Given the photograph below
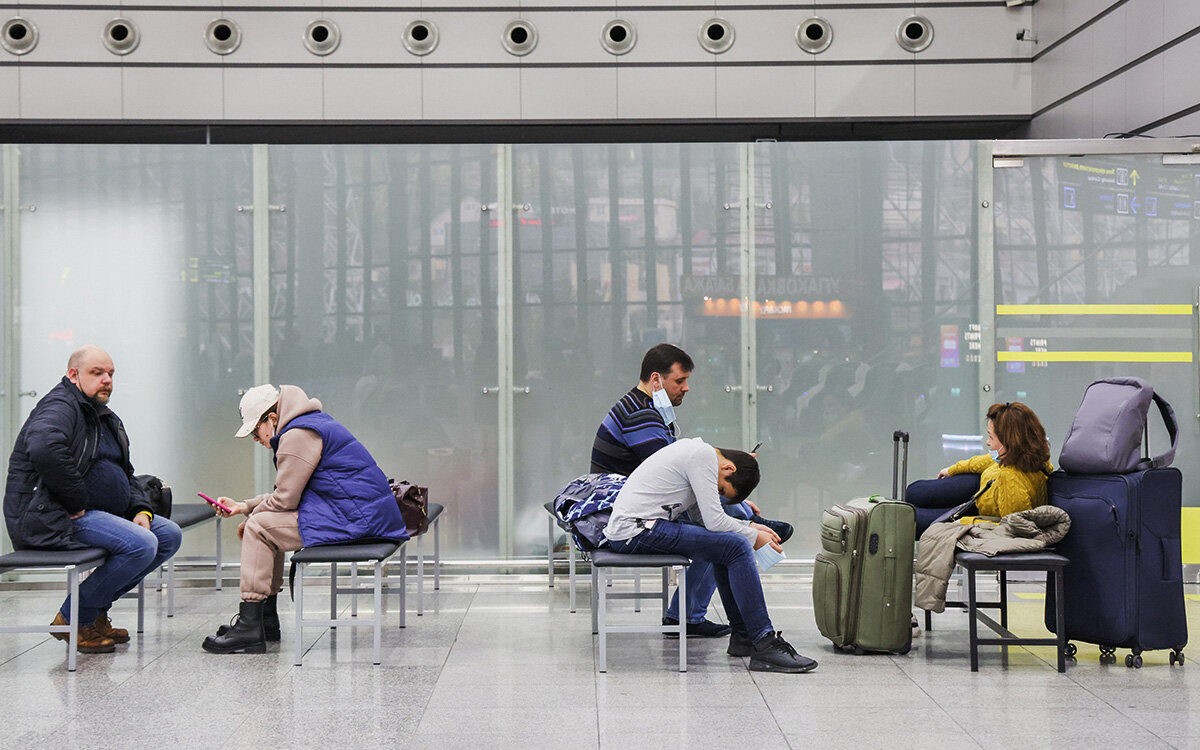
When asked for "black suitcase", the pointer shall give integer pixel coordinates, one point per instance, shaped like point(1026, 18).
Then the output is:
point(1124, 585)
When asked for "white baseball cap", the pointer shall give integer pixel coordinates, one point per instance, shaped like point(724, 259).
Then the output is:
point(255, 403)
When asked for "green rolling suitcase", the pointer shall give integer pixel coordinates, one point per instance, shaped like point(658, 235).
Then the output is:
point(862, 579)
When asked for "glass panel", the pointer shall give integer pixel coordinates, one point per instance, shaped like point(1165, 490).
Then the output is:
point(611, 236)
point(866, 291)
point(141, 250)
point(1113, 230)
point(383, 305)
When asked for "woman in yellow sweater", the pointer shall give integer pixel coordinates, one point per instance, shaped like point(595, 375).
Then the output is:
point(1012, 475)
point(1009, 478)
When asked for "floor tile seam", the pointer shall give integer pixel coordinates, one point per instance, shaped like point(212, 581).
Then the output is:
point(442, 666)
point(19, 654)
point(941, 708)
point(1156, 735)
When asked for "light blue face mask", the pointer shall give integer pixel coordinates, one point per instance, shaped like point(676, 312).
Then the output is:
point(662, 404)
point(995, 455)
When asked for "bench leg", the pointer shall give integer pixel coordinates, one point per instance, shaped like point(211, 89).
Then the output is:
point(682, 617)
point(550, 551)
point(73, 614)
point(171, 587)
point(437, 557)
point(974, 624)
point(1004, 599)
point(601, 610)
point(297, 635)
point(420, 575)
point(666, 591)
point(141, 597)
point(1060, 619)
point(220, 574)
point(378, 609)
point(595, 599)
point(354, 590)
point(571, 571)
point(403, 582)
point(637, 589)
point(333, 576)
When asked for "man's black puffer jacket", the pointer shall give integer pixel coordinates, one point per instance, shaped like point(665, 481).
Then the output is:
point(52, 455)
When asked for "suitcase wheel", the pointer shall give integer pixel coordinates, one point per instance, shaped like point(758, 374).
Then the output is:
point(1176, 656)
point(1108, 655)
point(1072, 649)
point(907, 646)
point(1133, 661)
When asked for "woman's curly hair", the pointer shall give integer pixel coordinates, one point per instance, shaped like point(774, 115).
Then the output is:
point(1022, 435)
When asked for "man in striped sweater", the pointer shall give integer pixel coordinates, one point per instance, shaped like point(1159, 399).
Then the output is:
point(638, 425)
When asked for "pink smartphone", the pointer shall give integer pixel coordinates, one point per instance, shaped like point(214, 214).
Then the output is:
point(214, 503)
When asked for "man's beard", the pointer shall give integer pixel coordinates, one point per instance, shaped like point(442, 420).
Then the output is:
point(100, 398)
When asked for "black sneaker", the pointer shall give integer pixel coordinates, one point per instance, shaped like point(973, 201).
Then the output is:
point(773, 654)
point(782, 528)
point(740, 645)
point(702, 629)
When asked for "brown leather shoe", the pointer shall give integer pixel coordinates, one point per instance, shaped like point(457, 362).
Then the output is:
point(90, 641)
point(104, 627)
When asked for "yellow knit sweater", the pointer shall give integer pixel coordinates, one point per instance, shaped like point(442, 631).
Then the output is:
point(1012, 490)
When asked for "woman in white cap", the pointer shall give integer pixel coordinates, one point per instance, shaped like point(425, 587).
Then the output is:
point(328, 490)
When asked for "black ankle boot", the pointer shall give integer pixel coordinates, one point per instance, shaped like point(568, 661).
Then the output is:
point(244, 635)
point(270, 620)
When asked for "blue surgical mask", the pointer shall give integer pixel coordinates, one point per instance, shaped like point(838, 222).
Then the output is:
point(995, 455)
point(662, 404)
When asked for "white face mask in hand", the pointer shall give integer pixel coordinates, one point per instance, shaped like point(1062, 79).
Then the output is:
point(662, 404)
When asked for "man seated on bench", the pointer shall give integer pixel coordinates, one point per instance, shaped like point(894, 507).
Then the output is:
point(71, 485)
point(642, 422)
point(687, 478)
point(328, 490)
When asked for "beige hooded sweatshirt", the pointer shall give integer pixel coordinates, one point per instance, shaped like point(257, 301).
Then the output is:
point(298, 454)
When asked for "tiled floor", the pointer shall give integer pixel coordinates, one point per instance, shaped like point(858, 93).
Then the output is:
point(503, 664)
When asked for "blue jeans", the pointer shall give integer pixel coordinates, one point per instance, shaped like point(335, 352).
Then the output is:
point(729, 556)
point(700, 581)
point(133, 552)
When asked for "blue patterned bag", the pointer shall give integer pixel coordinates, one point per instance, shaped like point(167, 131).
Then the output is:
point(585, 505)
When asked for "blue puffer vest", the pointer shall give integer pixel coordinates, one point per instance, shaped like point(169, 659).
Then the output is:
point(347, 498)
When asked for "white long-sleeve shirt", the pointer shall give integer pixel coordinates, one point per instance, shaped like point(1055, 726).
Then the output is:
point(680, 478)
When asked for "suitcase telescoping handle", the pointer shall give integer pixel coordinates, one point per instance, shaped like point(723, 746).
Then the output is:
point(899, 466)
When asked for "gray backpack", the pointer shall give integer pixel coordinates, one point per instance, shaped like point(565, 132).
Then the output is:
point(1107, 433)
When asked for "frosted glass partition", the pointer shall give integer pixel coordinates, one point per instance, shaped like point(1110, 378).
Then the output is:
point(387, 299)
point(606, 239)
point(142, 251)
point(383, 305)
point(1097, 270)
point(866, 302)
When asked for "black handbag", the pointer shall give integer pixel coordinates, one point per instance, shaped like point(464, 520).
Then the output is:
point(158, 494)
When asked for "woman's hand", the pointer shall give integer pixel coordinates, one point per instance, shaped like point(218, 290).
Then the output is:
point(235, 508)
point(944, 473)
point(766, 536)
point(754, 507)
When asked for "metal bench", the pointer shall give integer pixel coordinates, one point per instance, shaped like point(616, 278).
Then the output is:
point(1051, 563)
point(375, 553)
point(73, 562)
point(551, 525)
point(604, 562)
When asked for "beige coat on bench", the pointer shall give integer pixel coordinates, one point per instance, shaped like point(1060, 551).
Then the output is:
point(1026, 531)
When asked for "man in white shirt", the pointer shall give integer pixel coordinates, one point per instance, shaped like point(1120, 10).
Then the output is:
point(688, 478)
